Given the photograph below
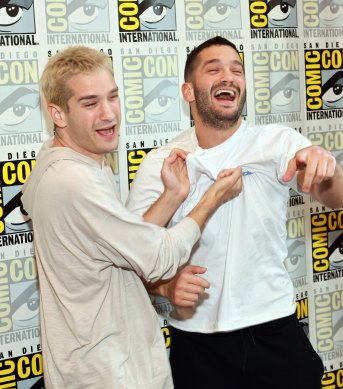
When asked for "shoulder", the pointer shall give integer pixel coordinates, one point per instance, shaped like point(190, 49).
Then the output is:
point(276, 133)
point(186, 140)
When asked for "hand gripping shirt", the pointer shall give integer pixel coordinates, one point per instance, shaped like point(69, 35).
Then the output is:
point(243, 245)
point(98, 327)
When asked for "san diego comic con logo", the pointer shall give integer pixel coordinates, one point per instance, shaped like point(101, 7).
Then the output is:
point(70, 16)
point(151, 94)
point(333, 379)
point(273, 18)
point(212, 15)
point(15, 225)
point(17, 17)
point(328, 321)
point(20, 300)
point(322, 13)
point(147, 20)
point(276, 86)
point(295, 260)
point(134, 159)
point(19, 100)
point(23, 372)
point(324, 83)
point(331, 138)
point(327, 244)
point(17, 23)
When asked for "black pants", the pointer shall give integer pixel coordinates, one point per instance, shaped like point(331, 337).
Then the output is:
point(273, 355)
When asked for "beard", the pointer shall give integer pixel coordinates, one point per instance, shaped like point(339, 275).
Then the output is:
point(215, 118)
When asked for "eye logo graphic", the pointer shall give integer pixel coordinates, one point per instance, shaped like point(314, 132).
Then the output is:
point(332, 90)
point(335, 252)
point(19, 110)
point(24, 305)
point(213, 15)
point(324, 81)
point(77, 16)
point(146, 15)
point(284, 92)
point(19, 100)
point(295, 261)
point(17, 17)
point(276, 82)
point(273, 14)
point(13, 218)
point(151, 89)
point(323, 14)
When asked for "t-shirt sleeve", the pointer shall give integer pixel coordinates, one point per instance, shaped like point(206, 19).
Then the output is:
point(147, 185)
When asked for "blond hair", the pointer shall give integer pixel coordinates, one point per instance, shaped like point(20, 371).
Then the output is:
point(66, 64)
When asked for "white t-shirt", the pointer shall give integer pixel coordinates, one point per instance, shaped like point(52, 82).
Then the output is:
point(243, 244)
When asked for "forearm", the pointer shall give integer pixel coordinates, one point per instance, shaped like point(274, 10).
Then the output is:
point(330, 192)
point(157, 288)
point(163, 209)
point(204, 209)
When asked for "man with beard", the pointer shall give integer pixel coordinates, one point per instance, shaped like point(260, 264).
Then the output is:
point(235, 327)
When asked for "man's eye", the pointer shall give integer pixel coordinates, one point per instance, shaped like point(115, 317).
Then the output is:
point(10, 14)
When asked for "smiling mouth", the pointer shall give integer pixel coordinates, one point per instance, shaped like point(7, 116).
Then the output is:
point(106, 131)
point(225, 94)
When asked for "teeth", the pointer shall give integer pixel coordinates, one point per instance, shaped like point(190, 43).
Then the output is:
point(226, 91)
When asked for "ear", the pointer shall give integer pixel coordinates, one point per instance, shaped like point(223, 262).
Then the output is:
point(188, 91)
point(57, 115)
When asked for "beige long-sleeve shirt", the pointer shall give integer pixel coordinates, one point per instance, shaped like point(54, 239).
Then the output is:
point(98, 327)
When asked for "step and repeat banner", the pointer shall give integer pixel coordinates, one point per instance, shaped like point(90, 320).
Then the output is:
point(293, 55)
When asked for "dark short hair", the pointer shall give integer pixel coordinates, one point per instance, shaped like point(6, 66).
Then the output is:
point(193, 55)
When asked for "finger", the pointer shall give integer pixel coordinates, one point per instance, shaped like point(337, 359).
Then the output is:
point(184, 303)
point(195, 269)
point(193, 288)
point(180, 153)
point(331, 167)
point(225, 173)
point(291, 170)
point(171, 158)
point(314, 172)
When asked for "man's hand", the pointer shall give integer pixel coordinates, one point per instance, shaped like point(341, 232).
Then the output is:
point(176, 188)
point(184, 289)
point(174, 174)
point(314, 165)
point(227, 186)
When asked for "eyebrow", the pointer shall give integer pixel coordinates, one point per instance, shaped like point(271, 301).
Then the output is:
point(215, 60)
point(91, 97)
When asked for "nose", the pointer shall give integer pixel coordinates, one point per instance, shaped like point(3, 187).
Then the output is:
point(107, 112)
point(227, 75)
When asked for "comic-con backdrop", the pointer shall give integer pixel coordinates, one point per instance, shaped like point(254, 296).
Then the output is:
point(292, 52)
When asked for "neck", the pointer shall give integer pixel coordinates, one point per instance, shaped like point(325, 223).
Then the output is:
point(58, 142)
point(212, 136)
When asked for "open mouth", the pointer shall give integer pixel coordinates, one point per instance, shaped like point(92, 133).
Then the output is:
point(106, 131)
point(225, 94)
